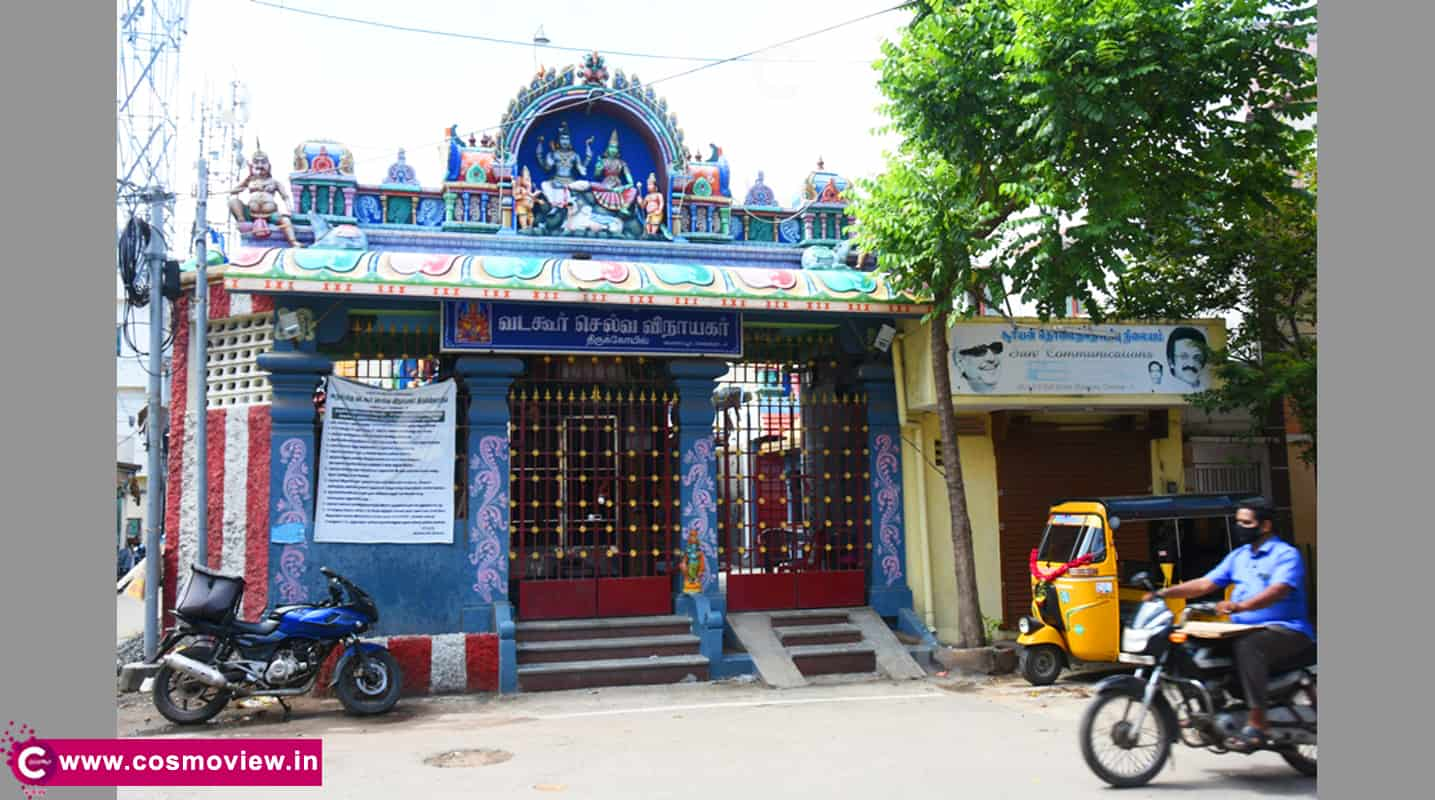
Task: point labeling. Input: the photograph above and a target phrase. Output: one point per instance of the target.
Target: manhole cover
(480, 757)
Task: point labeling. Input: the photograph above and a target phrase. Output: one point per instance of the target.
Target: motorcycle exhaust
(201, 672)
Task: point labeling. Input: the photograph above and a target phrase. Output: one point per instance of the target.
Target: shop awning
(562, 280)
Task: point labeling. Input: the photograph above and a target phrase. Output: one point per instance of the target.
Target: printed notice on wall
(386, 464)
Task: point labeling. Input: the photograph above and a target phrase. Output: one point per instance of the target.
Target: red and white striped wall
(449, 663)
(238, 519)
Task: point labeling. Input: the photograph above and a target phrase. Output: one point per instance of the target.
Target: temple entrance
(792, 465)
(594, 523)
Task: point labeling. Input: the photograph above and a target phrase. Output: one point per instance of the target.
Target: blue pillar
(698, 510)
(887, 589)
(486, 606)
(292, 470)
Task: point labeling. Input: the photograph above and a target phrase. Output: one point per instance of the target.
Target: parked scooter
(1187, 690)
(213, 657)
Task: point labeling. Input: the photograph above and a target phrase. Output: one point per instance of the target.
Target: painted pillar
(348, 201)
(698, 500)
(486, 605)
(292, 469)
(887, 589)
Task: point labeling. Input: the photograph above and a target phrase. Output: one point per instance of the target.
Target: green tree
(1045, 143)
(1263, 268)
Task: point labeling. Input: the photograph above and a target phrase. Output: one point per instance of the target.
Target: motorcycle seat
(263, 628)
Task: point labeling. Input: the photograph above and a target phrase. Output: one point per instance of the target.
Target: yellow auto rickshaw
(1082, 595)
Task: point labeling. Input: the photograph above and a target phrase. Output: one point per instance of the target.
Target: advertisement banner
(493, 327)
(386, 464)
(1003, 359)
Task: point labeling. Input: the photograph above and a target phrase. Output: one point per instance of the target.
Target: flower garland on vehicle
(1044, 580)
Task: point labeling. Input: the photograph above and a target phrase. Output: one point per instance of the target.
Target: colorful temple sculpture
(670, 407)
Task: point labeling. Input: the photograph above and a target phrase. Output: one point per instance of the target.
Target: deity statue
(346, 164)
(614, 187)
(261, 207)
(301, 161)
(653, 207)
(523, 200)
(692, 565)
(561, 163)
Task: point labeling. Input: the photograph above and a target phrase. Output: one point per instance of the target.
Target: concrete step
(549, 652)
(844, 633)
(809, 616)
(824, 659)
(612, 672)
(602, 628)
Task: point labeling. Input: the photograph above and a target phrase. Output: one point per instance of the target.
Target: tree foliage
(1263, 268)
(1046, 144)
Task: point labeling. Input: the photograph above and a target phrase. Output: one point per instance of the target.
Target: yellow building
(1044, 412)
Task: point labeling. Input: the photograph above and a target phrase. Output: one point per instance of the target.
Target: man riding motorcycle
(1269, 578)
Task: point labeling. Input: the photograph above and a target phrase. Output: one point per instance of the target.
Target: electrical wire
(599, 92)
(518, 43)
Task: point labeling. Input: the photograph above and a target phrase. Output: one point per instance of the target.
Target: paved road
(931, 738)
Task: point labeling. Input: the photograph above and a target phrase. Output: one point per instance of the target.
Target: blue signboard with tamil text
(496, 327)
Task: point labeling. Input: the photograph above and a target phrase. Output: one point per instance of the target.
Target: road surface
(932, 738)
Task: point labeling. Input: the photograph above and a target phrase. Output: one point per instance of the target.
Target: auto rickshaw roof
(1167, 506)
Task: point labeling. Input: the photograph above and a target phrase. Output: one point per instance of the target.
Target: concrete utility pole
(155, 429)
(199, 374)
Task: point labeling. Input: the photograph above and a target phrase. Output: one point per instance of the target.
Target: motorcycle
(1187, 690)
(213, 657)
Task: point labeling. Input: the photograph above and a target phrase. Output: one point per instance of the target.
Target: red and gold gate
(594, 488)
(793, 479)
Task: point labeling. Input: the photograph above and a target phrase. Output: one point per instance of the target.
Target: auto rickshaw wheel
(1041, 664)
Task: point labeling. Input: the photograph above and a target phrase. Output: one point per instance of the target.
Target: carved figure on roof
(818, 257)
(595, 72)
(323, 162)
(261, 208)
(563, 166)
(614, 190)
(653, 204)
(523, 200)
(760, 194)
(400, 172)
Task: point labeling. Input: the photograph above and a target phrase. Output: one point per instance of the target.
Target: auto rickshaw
(1081, 572)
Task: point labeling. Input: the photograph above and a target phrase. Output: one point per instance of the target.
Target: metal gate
(594, 449)
(793, 480)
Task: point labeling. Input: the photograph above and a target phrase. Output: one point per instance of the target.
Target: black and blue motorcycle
(213, 656)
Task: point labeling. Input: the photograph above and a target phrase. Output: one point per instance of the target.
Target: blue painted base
(707, 612)
(507, 647)
(889, 601)
(731, 666)
(909, 623)
(476, 619)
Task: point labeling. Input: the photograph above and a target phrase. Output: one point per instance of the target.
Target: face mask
(1245, 536)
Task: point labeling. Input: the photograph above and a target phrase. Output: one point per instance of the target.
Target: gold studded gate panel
(594, 523)
(793, 481)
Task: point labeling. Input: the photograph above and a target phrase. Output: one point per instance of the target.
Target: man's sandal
(1249, 740)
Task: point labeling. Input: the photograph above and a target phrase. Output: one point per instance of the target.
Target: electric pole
(155, 429)
(199, 373)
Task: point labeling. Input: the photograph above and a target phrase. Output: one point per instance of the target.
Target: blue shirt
(1253, 571)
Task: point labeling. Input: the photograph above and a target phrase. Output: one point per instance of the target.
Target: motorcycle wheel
(184, 700)
(1040, 664)
(1302, 757)
(370, 685)
(1106, 743)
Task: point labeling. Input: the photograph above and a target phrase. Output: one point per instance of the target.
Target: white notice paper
(386, 464)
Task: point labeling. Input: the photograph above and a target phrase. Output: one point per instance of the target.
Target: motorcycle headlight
(1026, 625)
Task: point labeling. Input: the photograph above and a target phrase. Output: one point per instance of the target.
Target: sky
(377, 90)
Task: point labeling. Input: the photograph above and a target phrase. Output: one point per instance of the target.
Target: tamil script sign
(1121, 359)
(386, 465)
(493, 327)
